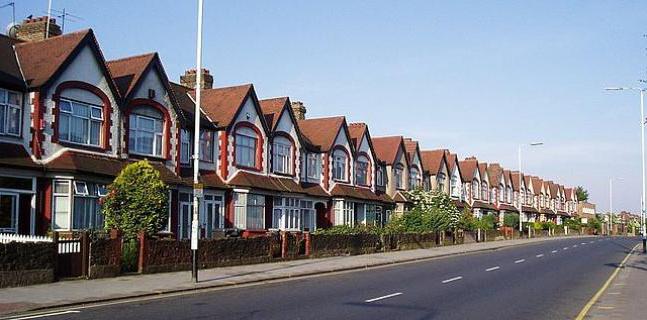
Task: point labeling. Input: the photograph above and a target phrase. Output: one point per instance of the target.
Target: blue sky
(477, 77)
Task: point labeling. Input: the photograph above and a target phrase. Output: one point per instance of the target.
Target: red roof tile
(468, 167)
(356, 132)
(411, 147)
(387, 148)
(345, 191)
(432, 160)
(16, 156)
(494, 171)
(483, 170)
(514, 179)
(221, 104)
(127, 71)
(250, 180)
(272, 109)
(322, 132)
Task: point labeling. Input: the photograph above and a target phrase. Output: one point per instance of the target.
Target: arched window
(380, 176)
(414, 178)
(440, 179)
(361, 171)
(453, 186)
(246, 147)
(475, 189)
(282, 155)
(484, 191)
(145, 128)
(398, 172)
(340, 165)
(501, 193)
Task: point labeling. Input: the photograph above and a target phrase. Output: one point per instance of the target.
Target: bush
(511, 220)
(129, 256)
(345, 230)
(137, 200)
(573, 223)
(595, 224)
(548, 225)
(432, 211)
(487, 222)
(467, 221)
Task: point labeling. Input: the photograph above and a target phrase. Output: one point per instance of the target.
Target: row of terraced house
(70, 121)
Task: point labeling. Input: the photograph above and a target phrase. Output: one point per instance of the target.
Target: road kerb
(604, 287)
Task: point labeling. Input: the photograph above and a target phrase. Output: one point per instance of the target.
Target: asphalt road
(547, 280)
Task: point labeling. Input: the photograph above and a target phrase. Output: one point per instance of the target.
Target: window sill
(146, 156)
(283, 174)
(81, 146)
(256, 169)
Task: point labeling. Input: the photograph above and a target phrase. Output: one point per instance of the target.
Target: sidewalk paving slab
(79, 292)
(625, 297)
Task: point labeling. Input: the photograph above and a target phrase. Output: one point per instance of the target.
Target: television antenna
(13, 11)
(64, 16)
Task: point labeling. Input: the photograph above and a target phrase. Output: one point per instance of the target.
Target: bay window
(340, 165)
(246, 144)
(287, 214)
(77, 205)
(309, 216)
(282, 155)
(249, 211)
(344, 213)
(145, 132)
(206, 145)
(10, 111)
(361, 171)
(80, 122)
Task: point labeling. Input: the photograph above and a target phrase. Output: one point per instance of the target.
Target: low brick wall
(171, 255)
(324, 245)
(408, 241)
(23, 264)
(105, 258)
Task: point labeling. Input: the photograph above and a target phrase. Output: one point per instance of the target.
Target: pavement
(624, 297)
(109, 294)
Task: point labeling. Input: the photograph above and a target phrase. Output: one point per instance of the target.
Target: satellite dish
(12, 29)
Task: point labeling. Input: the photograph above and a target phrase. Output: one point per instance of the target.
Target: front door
(8, 212)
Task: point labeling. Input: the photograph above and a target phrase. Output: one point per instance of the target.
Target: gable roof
(322, 132)
(569, 193)
(187, 105)
(387, 148)
(552, 189)
(356, 131)
(483, 171)
(42, 61)
(432, 160)
(494, 172)
(507, 177)
(10, 75)
(411, 147)
(536, 185)
(272, 109)
(514, 179)
(128, 71)
(468, 166)
(222, 105)
(528, 181)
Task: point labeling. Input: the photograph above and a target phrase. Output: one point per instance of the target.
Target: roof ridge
(274, 98)
(74, 33)
(133, 57)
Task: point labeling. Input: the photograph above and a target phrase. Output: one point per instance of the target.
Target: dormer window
(399, 170)
(340, 165)
(80, 122)
(246, 145)
(361, 171)
(414, 178)
(10, 110)
(145, 130)
(282, 155)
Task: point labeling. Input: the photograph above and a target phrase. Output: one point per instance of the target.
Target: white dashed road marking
(539, 255)
(554, 251)
(574, 246)
(452, 279)
(43, 315)
(383, 297)
(520, 261)
(492, 269)
(565, 248)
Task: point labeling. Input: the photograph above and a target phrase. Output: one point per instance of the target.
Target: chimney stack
(189, 79)
(34, 29)
(299, 110)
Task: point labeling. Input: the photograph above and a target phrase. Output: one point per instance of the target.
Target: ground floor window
(8, 212)
(249, 211)
(293, 214)
(210, 216)
(309, 215)
(344, 212)
(77, 205)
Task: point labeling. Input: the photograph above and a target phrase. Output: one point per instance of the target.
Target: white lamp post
(642, 152)
(533, 144)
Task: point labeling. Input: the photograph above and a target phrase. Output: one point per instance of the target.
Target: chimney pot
(190, 77)
(299, 110)
(34, 29)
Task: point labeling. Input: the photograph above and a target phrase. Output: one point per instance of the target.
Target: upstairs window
(440, 179)
(282, 155)
(501, 193)
(475, 189)
(246, 144)
(379, 179)
(206, 145)
(340, 165)
(185, 146)
(484, 191)
(414, 178)
(10, 112)
(145, 132)
(399, 178)
(80, 123)
(509, 194)
(453, 186)
(313, 162)
(361, 171)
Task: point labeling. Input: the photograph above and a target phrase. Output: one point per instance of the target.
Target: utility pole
(197, 188)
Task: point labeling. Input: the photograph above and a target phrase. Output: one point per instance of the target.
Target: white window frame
(476, 190)
(453, 186)
(414, 178)
(246, 141)
(340, 165)
(380, 176)
(246, 205)
(91, 119)
(134, 131)
(344, 212)
(185, 147)
(362, 168)
(282, 154)
(5, 108)
(398, 172)
(206, 145)
(313, 166)
(287, 214)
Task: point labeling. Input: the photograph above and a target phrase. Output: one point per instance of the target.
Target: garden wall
(23, 264)
(105, 258)
(325, 245)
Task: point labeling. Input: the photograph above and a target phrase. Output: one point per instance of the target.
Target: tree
(582, 194)
(511, 220)
(467, 222)
(137, 200)
(431, 211)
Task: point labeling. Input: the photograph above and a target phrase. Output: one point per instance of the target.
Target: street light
(642, 152)
(532, 144)
(611, 202)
